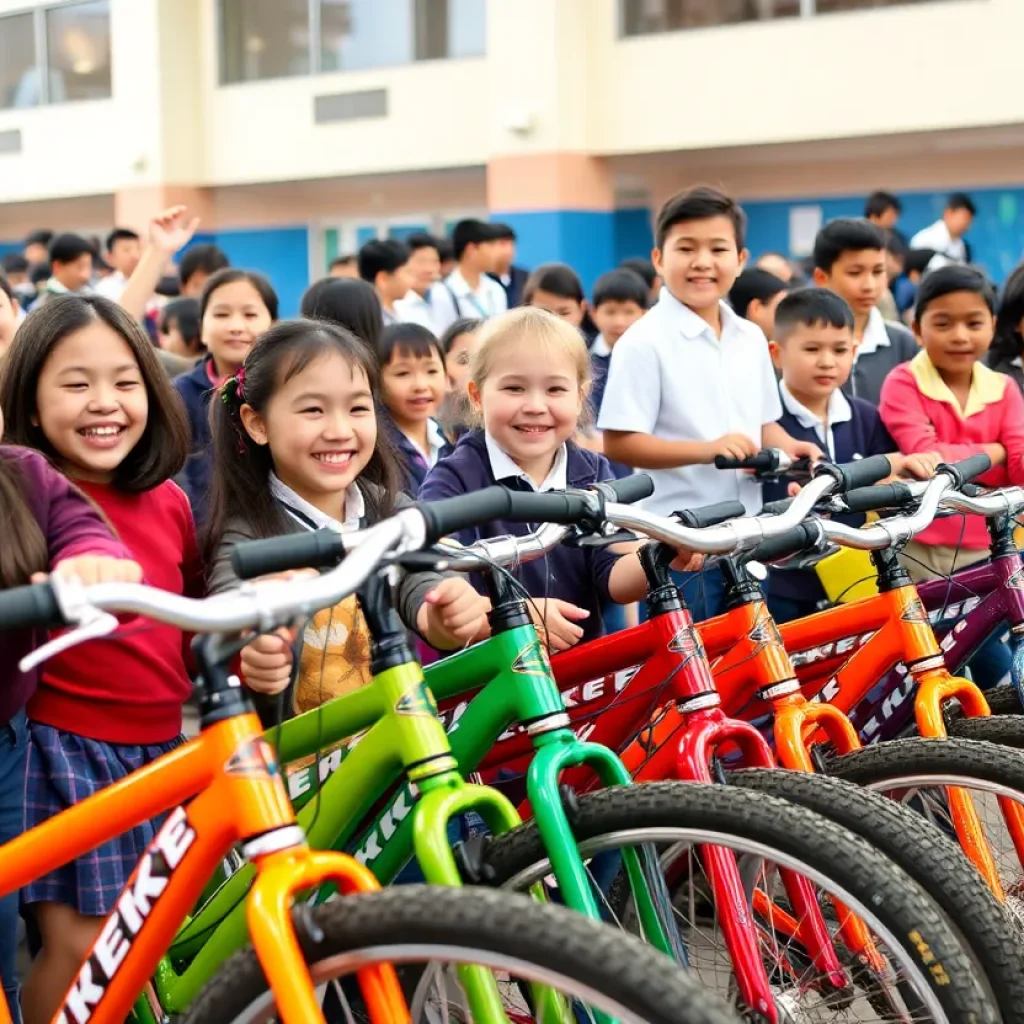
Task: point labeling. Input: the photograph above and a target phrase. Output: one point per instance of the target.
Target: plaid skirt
(64, 769)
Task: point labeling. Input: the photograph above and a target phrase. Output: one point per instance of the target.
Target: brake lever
(93, 625)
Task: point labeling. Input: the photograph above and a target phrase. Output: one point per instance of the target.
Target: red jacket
(922, 415)
(129, 688)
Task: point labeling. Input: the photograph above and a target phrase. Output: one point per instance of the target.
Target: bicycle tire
(632, 975)
(1001, 700)
(799, 834)
(932, 859)
(1003, 729)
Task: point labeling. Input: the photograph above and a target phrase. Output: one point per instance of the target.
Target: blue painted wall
(996, 237)
(281, 254)
(634, 234)
(585, 239)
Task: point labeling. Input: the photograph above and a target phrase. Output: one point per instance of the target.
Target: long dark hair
(241, 468)
(1008, 343)
(24, 549)
(164, 445)
(348, 302)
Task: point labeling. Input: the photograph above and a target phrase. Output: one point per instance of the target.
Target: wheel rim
(795, 993)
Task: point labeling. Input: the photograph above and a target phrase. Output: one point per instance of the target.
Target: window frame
(808, 9)
(41, 57)
(314, 25)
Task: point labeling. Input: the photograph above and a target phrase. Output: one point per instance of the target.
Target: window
(450, 28)
(55, 54)
(19, 77)
(263, 39)
(642, 17)
(364, 34)
(78, 51)
(272, 38)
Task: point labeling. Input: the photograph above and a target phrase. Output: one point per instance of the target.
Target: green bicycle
(340, 790)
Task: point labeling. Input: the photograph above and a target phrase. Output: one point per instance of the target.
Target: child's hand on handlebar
(687, 561)
(921, 466)
(557, 626)
(802, 450)
(453, 614)
(92, 569)
(267, 661)
(732, 446)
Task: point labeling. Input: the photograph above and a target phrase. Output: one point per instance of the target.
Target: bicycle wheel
(934, 861)
(1002, 700)
(917, 772)
(766, 833)
(1004, 729)
(601, 969)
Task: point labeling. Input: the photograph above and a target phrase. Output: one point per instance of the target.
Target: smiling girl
(528, 411)
(83, 385)
(236, 307)
(298, 446)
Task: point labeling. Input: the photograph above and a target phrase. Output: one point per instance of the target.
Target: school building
(298, 129)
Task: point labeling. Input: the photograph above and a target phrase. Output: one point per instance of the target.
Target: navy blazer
(577, 575)
(195, 388)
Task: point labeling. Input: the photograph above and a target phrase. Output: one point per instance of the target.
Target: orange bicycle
(845, 651)
(300, 956)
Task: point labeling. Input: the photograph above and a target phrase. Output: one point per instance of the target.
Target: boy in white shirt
(692, 380)
(467, 291)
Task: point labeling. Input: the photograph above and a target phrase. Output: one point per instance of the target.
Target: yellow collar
(987, 386)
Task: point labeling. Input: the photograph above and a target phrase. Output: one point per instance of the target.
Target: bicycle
(515, 670)
(235, 793)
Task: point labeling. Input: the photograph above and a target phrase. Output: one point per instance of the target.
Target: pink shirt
(922, 415)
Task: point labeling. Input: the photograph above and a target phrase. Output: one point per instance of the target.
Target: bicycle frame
(240, 798)
(870, 638)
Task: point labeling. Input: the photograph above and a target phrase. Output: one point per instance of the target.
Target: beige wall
(919, 67)
(740, 103)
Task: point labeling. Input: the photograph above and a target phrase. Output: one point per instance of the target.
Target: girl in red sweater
(946, 400)
(83, 385)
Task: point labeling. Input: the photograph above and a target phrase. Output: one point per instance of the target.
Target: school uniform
(514, 283)
(416, 309)
(1012, 367)
(196, 388)
(108, 709)
(852, 429)
(579, 576)
(671, 377)
(453, 298)
(415, 461)
(885, 345)
(600, 359)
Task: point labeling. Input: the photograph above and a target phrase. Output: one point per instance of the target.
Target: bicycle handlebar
(769, 460)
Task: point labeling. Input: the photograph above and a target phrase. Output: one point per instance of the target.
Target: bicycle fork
(705, 731)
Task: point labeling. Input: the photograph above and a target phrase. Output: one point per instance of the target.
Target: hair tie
(232, 394)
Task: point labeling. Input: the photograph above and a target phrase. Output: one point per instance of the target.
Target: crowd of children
(398, 382)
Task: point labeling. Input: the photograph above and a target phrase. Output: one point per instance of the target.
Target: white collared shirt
(112, 287)
(435, 442)
(947, 248)
(875, 336)
(310, 516)
(838, 411)
(415, 309)
(504, 468)
(670, 377)
(489, 299)
(600, 347)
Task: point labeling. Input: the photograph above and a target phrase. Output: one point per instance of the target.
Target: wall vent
(10, 141)
(350, 106)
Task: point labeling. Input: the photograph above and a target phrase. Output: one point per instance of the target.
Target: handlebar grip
(30, 607)
(318, 549)
(792, 542)
(763, 460)
(450, 515)
(776, 508)
(862, 473)
(710, 515)
(631, 489)
(966, 470)
(881, 496)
